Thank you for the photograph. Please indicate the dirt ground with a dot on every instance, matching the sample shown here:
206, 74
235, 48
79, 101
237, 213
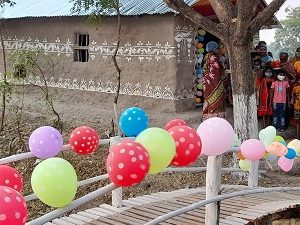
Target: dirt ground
78, 111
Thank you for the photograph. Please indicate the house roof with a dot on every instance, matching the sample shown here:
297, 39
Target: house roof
52, 8
55, 8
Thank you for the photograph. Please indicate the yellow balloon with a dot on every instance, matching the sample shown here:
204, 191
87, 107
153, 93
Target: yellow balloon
160, 146
294, 144
244, 165
266, 155
201, 32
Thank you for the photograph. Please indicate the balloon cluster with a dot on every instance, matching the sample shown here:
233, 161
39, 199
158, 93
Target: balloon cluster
199, 44
154, 149
269, 143
54, 180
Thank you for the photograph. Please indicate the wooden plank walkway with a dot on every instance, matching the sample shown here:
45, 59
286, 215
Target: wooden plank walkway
136, 211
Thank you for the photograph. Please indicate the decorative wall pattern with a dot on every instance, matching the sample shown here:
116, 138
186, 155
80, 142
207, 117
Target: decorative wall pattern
141, 51
184, 37
137, 89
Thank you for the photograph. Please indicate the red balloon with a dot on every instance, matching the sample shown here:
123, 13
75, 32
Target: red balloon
10, 177
188, 145
127, 163
84, 140
13, 208
176, 122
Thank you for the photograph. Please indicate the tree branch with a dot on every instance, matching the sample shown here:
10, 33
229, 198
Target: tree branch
264, 16
205, 23
245, 12
223, 9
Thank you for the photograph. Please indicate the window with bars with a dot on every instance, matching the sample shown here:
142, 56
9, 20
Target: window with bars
81, 48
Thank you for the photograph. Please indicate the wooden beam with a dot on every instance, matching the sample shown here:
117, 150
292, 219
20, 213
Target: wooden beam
203, 22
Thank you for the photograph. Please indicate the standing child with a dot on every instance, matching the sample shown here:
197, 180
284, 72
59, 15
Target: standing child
296, 102
280, 98
265, 108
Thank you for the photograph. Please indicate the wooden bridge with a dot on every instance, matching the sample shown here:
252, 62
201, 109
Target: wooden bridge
253, 209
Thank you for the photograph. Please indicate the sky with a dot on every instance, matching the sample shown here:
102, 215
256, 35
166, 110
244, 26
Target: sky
268, 35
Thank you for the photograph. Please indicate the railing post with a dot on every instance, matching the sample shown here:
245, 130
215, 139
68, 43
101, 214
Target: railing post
117, 193
253, 174
213, 186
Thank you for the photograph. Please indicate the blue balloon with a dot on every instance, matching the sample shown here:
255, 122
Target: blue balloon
291, 154
133, 121
200, 38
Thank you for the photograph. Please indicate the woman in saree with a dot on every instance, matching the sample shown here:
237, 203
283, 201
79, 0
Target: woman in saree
213, 84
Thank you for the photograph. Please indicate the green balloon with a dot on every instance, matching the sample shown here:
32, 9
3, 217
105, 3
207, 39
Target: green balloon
236, 141
200, 86
280, 140
201, 50
244, 165
54, 181
160, 146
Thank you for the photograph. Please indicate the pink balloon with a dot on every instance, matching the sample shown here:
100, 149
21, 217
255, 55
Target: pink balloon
253, 149
216, 135
285, 164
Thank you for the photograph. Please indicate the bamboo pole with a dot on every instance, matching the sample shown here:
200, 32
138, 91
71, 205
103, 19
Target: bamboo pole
117, 193
213, 186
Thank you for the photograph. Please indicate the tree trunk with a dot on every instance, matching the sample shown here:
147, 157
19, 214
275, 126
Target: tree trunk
244, 100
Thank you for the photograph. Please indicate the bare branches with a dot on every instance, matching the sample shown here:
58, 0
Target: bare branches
116, 109
264, 16
223, 9
186, 11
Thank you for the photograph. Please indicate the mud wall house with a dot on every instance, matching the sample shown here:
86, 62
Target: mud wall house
157, 54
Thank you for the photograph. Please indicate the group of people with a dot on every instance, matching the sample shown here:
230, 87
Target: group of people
277, 85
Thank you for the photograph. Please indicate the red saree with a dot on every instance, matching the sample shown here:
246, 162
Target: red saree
213, 88
264, 108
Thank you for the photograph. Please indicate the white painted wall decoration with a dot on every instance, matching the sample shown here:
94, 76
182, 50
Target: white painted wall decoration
137, 89
184, 36
140, 51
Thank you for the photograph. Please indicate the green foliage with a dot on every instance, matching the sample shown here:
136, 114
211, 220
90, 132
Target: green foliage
288, 38
6, 2
95, 9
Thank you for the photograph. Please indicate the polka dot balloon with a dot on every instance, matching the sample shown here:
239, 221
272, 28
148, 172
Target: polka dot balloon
45, 142
188, 145
10, 177
133, 121
175, 122
84, 140
13, 208
127, 163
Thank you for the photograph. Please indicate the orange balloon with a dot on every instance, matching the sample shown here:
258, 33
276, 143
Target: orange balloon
240, 156
199, 45
198, 100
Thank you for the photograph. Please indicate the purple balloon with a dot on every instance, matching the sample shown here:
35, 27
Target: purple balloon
45, 142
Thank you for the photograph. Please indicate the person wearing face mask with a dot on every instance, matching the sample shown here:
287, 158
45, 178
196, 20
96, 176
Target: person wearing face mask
279, 95
265, 109
286, 64
213, 83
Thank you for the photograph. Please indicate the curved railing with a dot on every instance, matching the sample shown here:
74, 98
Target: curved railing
98, 193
